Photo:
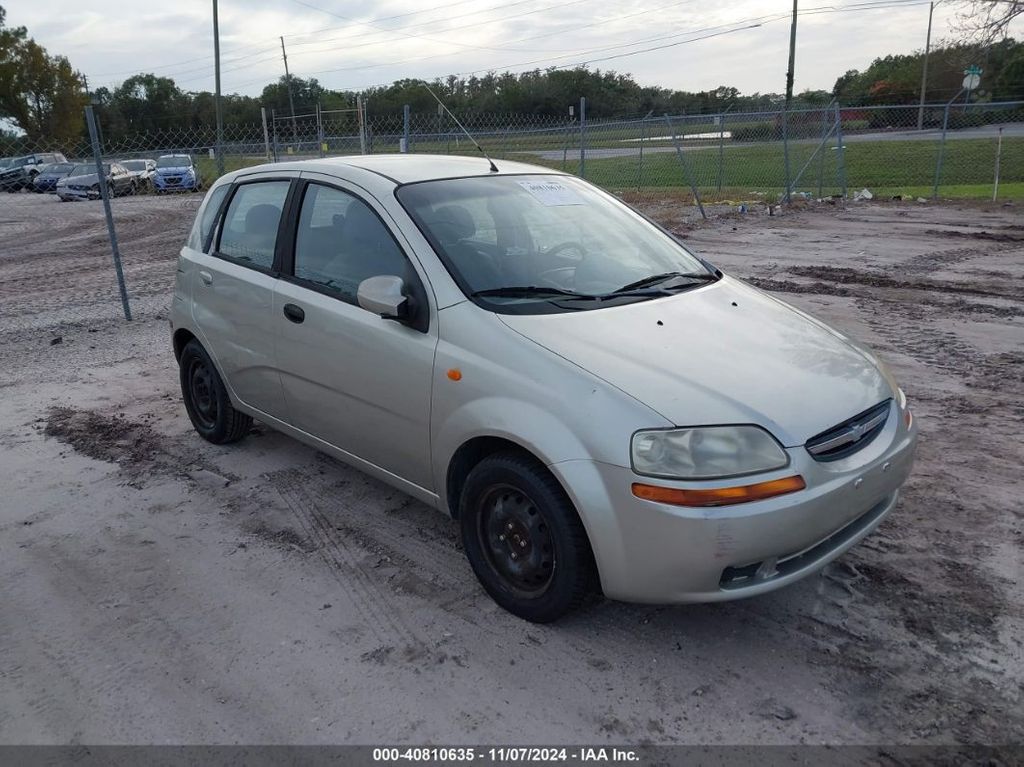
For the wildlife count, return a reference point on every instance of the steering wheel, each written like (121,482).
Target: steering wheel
(561,276)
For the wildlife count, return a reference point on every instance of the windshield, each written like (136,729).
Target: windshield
(174,161)
(60,167)
(540,243)
(88,169)
(134,164)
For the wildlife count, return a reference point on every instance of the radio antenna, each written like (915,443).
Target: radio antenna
(494,168)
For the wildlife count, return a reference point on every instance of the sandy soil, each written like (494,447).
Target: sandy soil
(157,589)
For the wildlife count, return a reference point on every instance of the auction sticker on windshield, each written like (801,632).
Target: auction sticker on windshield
(552,193)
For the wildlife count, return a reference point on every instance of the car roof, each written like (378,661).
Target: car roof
(410,168)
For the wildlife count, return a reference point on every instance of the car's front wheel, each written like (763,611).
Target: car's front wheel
(524,539)
(206,398)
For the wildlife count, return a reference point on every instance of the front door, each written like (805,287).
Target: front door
(351,378)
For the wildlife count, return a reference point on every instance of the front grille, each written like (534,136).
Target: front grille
(851,435)
(172,179)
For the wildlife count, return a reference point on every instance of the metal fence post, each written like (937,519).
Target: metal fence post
(319,130)
(266,135)
(640,166)
(942,146)
(840,150)
(821,158)
(405,129)
(999,152)
(362,124)
(785,151)
(90,119)
(686,170)
(565,147)
(583,136)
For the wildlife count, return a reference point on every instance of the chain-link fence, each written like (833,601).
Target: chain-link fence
(936,150)
(939,150)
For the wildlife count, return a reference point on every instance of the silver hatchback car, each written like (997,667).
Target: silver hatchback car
(597,407)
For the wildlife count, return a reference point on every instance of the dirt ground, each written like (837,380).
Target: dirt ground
(158,589)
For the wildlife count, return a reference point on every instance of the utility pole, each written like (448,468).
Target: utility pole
(291,103)
(924,69)
(789,97)
(216,98)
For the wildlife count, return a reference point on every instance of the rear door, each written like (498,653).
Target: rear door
(351,378)
(233,291)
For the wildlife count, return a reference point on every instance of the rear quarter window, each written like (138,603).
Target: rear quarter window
(207,217)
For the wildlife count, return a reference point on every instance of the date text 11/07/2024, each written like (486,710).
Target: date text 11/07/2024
(504,754)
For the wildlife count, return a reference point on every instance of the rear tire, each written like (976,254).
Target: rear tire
(206,398)
(524,539)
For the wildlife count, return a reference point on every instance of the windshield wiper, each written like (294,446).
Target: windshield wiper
(654,279)
(527,291)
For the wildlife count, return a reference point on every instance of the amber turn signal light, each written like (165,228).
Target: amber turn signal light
(719,496)
(455,374)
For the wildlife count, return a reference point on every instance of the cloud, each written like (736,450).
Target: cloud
(429,40)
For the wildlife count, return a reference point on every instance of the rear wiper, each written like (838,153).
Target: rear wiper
(526,291)
(654,279)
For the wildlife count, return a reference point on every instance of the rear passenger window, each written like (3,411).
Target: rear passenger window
(340,242)
(204,224)
(250,225)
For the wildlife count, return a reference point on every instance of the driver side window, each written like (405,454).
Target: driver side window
(341,241)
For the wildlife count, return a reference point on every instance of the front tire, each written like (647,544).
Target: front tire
(523,538)
(206,398)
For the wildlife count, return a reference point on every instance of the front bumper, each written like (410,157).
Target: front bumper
(14,182)
(68,194)
(45,185)
(177,182)
(654,552)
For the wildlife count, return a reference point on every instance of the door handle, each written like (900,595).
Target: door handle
(206,277)
(294,313)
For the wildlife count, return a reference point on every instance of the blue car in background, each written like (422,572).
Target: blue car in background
(176,173)
(47,178)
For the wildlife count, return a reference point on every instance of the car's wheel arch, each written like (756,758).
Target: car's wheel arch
(181,338)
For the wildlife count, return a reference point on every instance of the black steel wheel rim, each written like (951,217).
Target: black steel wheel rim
(202,394)
(516,541)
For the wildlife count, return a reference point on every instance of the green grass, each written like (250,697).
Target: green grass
(755,171)
(884,167)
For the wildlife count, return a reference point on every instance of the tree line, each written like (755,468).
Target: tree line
(43,95)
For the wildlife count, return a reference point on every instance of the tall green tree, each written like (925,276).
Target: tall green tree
(43,95)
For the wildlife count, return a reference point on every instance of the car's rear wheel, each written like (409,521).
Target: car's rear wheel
(524,539)
(206,398)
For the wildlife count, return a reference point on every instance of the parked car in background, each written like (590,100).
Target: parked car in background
(142,172)
(22,171)
(593,403)
(82,183)
(47,178)
(176,173)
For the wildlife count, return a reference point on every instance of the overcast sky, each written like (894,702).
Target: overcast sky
(392,39)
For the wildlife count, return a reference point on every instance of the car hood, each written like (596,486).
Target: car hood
(719,354)
(176,169)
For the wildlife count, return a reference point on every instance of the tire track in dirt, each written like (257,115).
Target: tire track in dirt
(346,562)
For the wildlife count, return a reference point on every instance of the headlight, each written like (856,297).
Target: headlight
(706,452)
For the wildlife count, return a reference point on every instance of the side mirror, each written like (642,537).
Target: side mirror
(383,295)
